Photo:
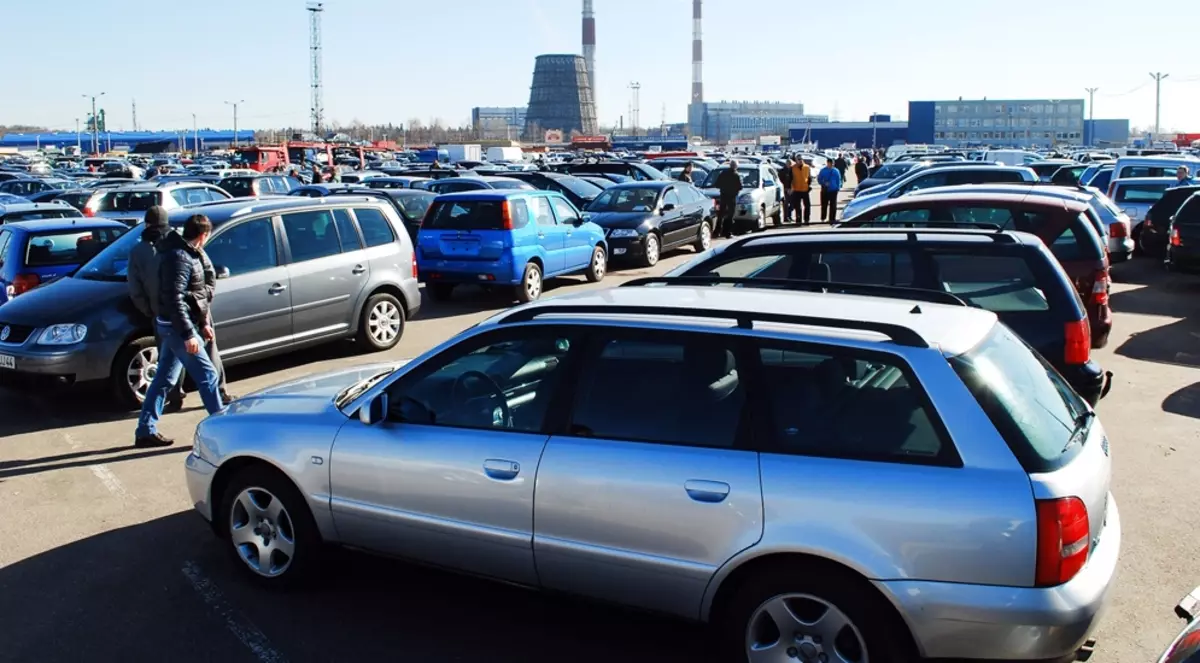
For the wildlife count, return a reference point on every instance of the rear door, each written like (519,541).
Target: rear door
(577,252)
(551,235)
(253,306)
(326,282)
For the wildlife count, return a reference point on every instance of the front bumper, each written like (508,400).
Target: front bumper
(956,621)
(626,248)
(199,474)
(57,364)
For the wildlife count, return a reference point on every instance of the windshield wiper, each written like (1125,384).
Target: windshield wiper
(1082,424)
(359,388)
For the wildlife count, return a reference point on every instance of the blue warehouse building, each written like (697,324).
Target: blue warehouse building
(862,135)
(1019,123)
(1106,133)
(147,141)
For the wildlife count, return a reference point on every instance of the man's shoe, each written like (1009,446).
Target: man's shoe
(173,405)
(227,397)
(153,441)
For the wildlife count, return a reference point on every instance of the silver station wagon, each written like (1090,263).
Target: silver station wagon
(822,476)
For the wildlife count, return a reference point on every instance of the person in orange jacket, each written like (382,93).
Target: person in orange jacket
(801,185)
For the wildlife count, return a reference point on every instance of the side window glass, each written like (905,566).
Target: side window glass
(311,235)
(244,248)
(539,208)
(500,385)
(375,227)
(670,198)
(520,213)
(764,267)
(903,215)
(817,403)
(864,268)
(925,182)
(700,373)
(994,283)
(563,210)
(5,238)
(997,216)
(347,233)
(180,197)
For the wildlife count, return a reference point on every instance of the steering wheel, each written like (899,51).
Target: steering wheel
(493,386)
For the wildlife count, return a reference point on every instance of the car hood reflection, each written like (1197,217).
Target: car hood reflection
(310,394)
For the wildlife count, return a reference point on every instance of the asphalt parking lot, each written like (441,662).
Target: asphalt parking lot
(101,557)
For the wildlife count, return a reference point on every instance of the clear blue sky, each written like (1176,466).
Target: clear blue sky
(392,60)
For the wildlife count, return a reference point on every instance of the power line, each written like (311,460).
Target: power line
(1122,94)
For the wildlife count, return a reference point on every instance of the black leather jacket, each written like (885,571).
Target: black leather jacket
(183,291)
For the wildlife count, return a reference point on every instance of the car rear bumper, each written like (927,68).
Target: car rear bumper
(960,621)
(1119,249)
(1183,256)
(483,272)
(199,474)
(1100,321)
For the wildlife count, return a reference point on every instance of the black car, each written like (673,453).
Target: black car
(1183,243)
(641,220)
(634,170)
(577,190)
(242,186)
(1012,274)
(886,173)
(410,204)
(1150,236)
(602,182)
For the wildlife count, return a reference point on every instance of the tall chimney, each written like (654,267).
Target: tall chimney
(589,45)
(697,56)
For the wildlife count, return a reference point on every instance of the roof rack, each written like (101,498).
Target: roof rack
(899,334)
(921,225)
(806,285)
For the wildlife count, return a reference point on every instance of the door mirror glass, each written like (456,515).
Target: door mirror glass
(222,271)
(375,410)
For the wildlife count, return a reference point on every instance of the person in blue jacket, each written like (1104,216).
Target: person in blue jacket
(830,181)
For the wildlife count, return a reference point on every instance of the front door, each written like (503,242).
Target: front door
(675,222)
(252,309)
(449,477)
(326,282)
(651,489)
(551,236)
(578,251)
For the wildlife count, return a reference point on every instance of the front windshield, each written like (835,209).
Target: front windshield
(893,170)
(625,199)
(582,188)
(415,206)
(111,264)
(749,177)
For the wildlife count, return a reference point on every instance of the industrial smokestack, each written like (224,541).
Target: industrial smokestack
(697,56)
(589,45)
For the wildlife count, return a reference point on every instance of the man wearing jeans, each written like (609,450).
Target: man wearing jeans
(182,323)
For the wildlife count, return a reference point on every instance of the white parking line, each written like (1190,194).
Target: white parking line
(105,475)
(242,629)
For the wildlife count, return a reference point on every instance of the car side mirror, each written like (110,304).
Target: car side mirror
(375,410)
(578,221)
(668,207)
(222,271)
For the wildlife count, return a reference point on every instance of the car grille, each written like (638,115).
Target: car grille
(17,334)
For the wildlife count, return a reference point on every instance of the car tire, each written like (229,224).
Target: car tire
(703,237)
(777,217)
(531,284)
(653,250)
(598,266)
(381,324)
(133,370)
(871,630)
(1139,249)
(293,548)
(441,292)
(760,222)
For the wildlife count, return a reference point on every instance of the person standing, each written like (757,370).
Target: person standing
(1183,177)
(841,164)
(801,184)
(785,180)
(686,174)
(861,171)
(730,185)
(831,183)
(182,321)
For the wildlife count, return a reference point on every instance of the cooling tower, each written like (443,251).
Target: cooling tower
(560,98)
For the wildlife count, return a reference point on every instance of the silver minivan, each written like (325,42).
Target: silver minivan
(128,203)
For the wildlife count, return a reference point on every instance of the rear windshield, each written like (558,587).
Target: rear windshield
(415,206)
(467,215)
(34,214)
(130,201)
(893,170)
(995,283)
(68,247)
(1140,193)
(239,187)
(1029,403)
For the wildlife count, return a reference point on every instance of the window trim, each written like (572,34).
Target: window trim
(948,455)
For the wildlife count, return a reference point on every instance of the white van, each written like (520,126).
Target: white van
(1154,166)
(1010,157)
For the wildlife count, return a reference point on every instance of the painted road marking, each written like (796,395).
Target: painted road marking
(242,629)
(105,475)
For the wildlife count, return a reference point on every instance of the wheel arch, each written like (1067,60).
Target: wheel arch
(232,466)
(383,288)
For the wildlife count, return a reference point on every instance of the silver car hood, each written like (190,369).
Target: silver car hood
(309,394)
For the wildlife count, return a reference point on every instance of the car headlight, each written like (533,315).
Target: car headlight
(63,335)
(746,198)
(624,232)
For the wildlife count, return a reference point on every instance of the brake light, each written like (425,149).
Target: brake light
(1100,287)
(1175,239)
(24,283)
(414,264)
(1112,189)
(88,210)
(1078,336)
(1063,540)
(506,216)
(1118,229)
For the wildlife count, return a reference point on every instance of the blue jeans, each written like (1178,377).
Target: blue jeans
(173,357)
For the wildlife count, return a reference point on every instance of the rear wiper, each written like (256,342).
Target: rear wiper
(1082,422)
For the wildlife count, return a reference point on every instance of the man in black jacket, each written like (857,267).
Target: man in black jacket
(182,322)
(730,185)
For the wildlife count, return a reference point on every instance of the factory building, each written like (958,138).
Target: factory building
(498,122)
(997,122)
(1106,133)
(722,121)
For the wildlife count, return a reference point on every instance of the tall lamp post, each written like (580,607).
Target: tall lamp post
(95,122)
(235,105)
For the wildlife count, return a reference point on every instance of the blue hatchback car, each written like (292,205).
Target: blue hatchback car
(506,237)
(34,252)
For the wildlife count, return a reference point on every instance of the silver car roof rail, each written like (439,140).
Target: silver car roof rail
(806,285)
(899,334)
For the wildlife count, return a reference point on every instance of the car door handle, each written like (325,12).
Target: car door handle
(706,491)
(358,269)
(276,289)
(502,470)
(541,235)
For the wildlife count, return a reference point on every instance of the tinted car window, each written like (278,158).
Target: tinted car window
(238,187)
(564,211)
(1140,193)
(311,235)
(465,215)
(699,372)
(244,248)
(994,283)
(347,233)
(129,201)
(817,403)
(67,247)
(5,238)
(376,229)
(862,267)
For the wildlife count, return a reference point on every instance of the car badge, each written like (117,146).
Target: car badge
(5,333)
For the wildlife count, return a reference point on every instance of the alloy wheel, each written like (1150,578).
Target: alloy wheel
(804,628)
(705,236)
(533,283)
(599,263)
(384,322)
(141,371)
(652,249)
(262,533)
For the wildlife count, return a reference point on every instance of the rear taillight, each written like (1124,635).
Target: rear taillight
(88,210)
(1063,540)
(1118,229)
(1100,287)
(1175,239)
(24,283)
(1112,189)
(414,263)
(506,215)
(1078,342)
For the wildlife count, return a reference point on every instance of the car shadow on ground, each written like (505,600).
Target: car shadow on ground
(1175,296)
(165,589)
(1184,402)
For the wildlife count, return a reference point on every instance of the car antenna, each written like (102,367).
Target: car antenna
(916,309)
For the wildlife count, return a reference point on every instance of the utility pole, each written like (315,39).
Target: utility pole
(314,47)
(635,110)
(95,123)
(1158,79)
(874,128)
(135,126)
(1091,114)
(78,138)
(235,105)
(195,137)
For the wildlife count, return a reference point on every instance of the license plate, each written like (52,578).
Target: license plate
(8,361)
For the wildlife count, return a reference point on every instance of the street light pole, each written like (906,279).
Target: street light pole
(1158,79)
(195,136)
(78,137)
(235,105)
(95,123)
(874,129)
(1091,114)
